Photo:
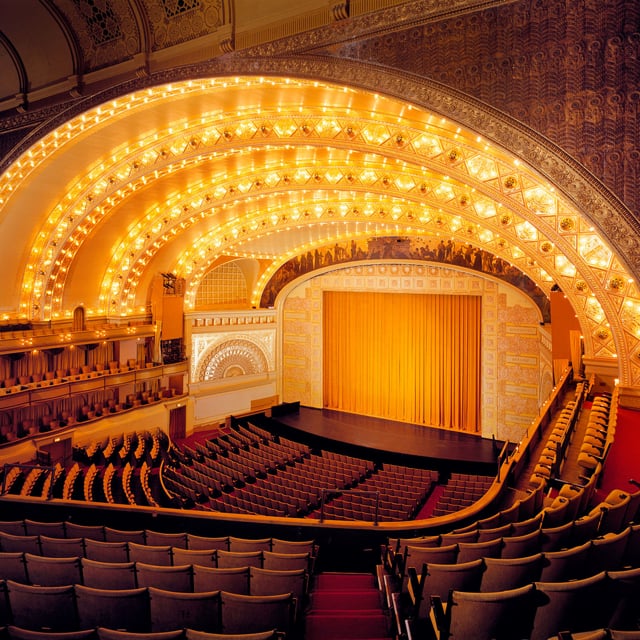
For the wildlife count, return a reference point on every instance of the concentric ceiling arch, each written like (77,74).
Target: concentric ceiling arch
(179,175)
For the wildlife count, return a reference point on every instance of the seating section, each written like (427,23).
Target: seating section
(77,408)
(235,586)
(550,572)
(249,470)
(561,558)
(559,437)
(462,490)
(122,469)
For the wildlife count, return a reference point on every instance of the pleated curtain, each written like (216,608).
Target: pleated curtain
(409,357)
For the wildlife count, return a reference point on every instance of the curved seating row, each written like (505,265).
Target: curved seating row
(67,534)
(143,610)
(539,610)
(202,576)
(610,521)
(160,555)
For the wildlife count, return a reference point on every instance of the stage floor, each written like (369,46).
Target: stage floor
(389,436)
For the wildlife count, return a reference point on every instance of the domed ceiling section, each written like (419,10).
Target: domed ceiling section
(179,177)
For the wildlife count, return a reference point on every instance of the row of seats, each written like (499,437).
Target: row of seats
(202,576)
(12,632)
(160,555)
(503,568)
(606,537)
(75,410)
(64,374)
(559,436)
(537,611)
(143,610)
(33,531)
(134,447)
(600,432)
(611,552)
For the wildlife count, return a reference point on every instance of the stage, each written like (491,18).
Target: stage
(394,441)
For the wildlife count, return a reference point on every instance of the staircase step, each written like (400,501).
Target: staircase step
(325,626)
(347,600)
(344,581)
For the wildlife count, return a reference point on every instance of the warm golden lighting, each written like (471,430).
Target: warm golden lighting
(264,179)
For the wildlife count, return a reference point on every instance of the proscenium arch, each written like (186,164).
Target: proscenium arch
(596,278)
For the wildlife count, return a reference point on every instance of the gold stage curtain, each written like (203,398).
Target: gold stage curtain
(403,356)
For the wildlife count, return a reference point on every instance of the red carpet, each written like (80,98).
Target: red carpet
(346,606)
(622,461)
(427,508)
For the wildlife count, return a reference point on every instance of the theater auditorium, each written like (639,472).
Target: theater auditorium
(320,320)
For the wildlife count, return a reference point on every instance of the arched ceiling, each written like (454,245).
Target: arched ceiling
(177,177)
(170,169)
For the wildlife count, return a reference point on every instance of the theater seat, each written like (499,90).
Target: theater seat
(101,607)
(233,579)
(579,605)
(17,633)
(108,575)
(43,608)
(53,572)
(483,616)
(173,578)
(201,557)
(173,610)
(247,614)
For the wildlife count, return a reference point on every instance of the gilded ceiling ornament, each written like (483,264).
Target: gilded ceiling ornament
(616,283)
(581,285)
(546,247)
(567,224)
(510,182)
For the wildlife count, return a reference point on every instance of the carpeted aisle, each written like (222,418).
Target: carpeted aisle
(346,606)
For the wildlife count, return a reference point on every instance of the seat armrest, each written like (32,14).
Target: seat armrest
(437,609)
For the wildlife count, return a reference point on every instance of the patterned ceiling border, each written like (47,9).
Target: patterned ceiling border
(373,23)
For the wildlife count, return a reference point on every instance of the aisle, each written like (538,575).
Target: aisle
(346,606)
